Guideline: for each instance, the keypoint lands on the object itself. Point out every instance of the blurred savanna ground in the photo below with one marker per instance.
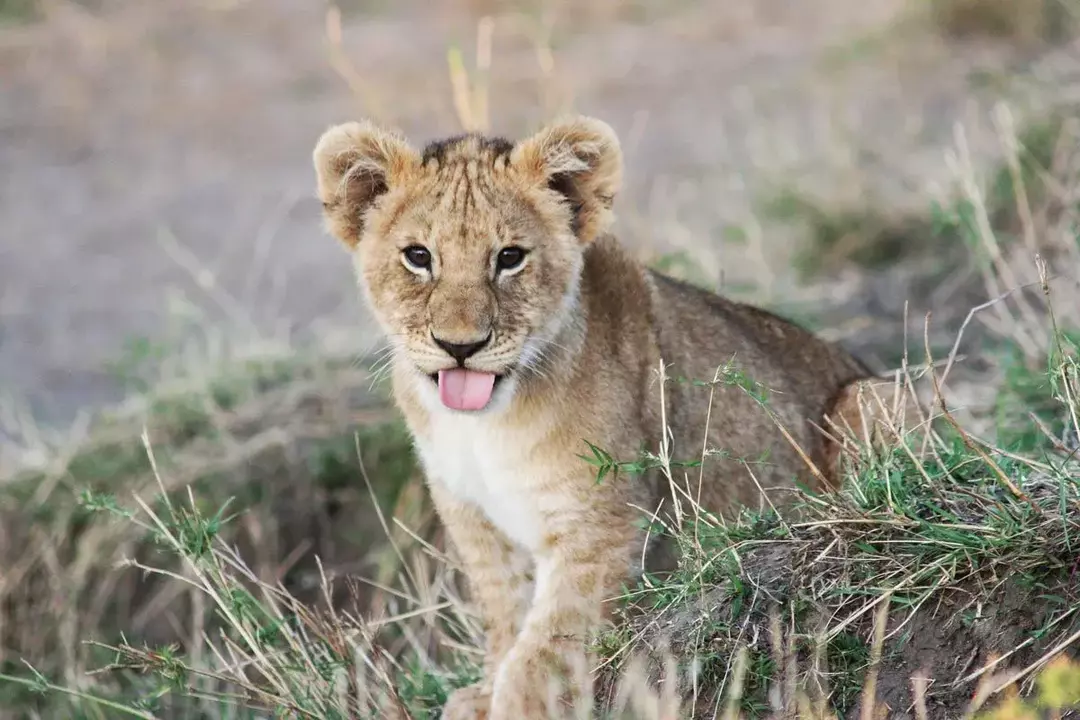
(166, 286)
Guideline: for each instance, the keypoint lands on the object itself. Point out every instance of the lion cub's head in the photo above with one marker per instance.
(470, 251)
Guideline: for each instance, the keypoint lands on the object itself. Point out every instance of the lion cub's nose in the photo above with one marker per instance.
(461, 351)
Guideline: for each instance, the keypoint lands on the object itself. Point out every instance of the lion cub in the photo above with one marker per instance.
(521, 329)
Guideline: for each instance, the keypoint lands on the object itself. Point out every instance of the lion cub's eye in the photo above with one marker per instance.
(510, 258)
(418, 257)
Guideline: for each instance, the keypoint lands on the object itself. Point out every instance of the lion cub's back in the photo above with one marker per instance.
(705, 328)
(699, 332)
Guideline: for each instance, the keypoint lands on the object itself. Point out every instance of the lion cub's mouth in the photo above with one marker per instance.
(464, 389)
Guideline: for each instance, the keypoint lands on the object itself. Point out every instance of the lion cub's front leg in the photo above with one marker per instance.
(499, 576)
(581, 567)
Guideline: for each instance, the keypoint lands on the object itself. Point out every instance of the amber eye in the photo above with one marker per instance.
(418, 257)
(510, 258)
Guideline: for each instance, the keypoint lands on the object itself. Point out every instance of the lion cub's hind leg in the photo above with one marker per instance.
(866, 412)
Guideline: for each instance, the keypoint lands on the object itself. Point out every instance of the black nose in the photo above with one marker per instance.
(461, 351)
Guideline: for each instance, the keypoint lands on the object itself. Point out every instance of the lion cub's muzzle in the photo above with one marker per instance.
(462, 388)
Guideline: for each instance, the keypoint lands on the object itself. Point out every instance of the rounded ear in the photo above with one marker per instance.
(355, 164)
(579, 158)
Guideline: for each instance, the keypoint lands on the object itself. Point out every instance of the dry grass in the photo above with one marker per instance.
(270, 438)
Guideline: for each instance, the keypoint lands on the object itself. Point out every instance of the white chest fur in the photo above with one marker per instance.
(484, 465)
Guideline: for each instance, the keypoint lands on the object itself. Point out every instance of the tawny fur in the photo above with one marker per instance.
(579, 334)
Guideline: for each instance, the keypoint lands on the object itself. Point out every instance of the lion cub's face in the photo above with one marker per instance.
(471, 251)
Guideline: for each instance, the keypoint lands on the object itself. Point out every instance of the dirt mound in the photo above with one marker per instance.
(968, 571)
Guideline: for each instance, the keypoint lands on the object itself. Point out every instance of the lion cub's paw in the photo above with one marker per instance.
(472, 702)
(527, 687)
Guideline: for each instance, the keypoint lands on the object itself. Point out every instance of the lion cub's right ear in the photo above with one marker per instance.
(355, 164)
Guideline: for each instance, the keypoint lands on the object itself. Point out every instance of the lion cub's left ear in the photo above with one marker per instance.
(356, 164)
(579, 158)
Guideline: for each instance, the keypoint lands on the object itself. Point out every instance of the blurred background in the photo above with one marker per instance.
(158, 223)
(156, 155)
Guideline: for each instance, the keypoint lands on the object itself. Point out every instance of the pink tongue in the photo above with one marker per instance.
(461, 389)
